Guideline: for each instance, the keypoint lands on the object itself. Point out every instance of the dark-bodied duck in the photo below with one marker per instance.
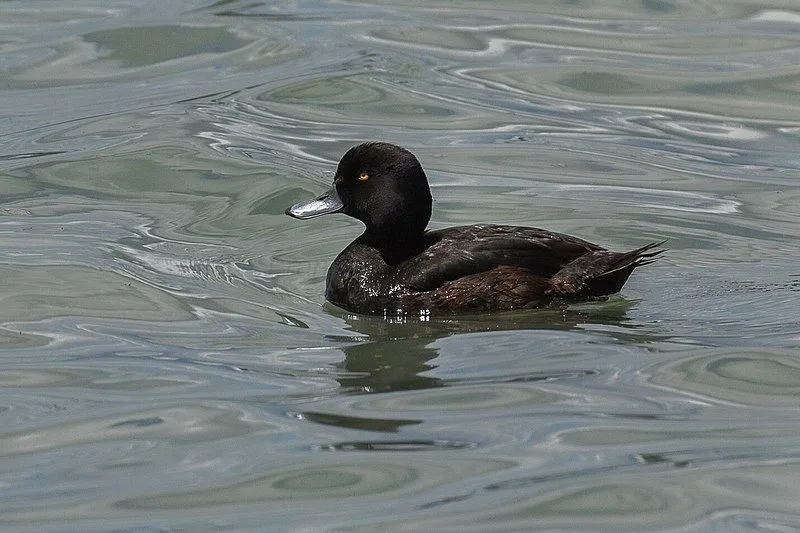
(397, 266)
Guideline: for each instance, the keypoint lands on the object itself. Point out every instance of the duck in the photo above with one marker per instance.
(397, 265)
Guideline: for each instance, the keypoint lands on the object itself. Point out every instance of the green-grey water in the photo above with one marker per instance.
(167, 361)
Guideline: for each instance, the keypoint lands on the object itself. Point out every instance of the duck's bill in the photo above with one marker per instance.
(323, 204)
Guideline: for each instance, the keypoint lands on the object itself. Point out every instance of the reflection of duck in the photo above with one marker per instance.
(396, 265)
(398, 353)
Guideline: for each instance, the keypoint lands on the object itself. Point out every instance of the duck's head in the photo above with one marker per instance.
(380, 184)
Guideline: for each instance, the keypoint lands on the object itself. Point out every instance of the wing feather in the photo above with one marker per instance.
(460, 251)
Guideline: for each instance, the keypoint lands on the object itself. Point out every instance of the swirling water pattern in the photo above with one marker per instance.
(166, 359)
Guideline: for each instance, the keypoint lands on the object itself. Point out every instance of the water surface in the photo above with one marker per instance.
(167, 361)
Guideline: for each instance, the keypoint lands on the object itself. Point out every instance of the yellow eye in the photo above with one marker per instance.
(363, 176)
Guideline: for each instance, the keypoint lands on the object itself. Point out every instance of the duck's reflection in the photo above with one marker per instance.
(400, 350)
(388, 364)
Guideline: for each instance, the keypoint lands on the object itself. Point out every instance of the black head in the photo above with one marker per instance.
(381, 185)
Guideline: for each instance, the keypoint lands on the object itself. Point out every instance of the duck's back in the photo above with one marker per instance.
(453, 253)
(491, 268)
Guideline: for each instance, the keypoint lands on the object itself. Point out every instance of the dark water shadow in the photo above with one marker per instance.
(399, 350)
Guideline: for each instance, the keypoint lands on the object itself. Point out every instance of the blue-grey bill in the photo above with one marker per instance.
(323, 204)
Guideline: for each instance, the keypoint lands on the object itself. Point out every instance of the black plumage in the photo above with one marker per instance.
(397, 265)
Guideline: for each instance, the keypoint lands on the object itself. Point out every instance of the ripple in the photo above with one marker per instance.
(14, 212)
(112, 295)
(726, 95)
(463, 399)
(143, 46)
(361, 100)
(777, 15)
(327, 91)
(37, 377)
(355, 422)
(11, 340)
(497, 40)
(716, 131)
(737, 376)
(610, 499)
(624, 501)
(139, 52)
(186, 423)
(690, 202)
(729, 436)
(224, 270)
(338, 480)
(396, 446)
(335, 481)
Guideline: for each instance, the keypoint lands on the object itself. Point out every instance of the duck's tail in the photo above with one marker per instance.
(600, 273)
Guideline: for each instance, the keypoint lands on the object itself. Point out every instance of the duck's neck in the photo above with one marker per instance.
(396, 246)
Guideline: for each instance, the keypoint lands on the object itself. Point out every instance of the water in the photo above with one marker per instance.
(166, 358)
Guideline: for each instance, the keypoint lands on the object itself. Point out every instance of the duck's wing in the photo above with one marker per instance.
(460, 251)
